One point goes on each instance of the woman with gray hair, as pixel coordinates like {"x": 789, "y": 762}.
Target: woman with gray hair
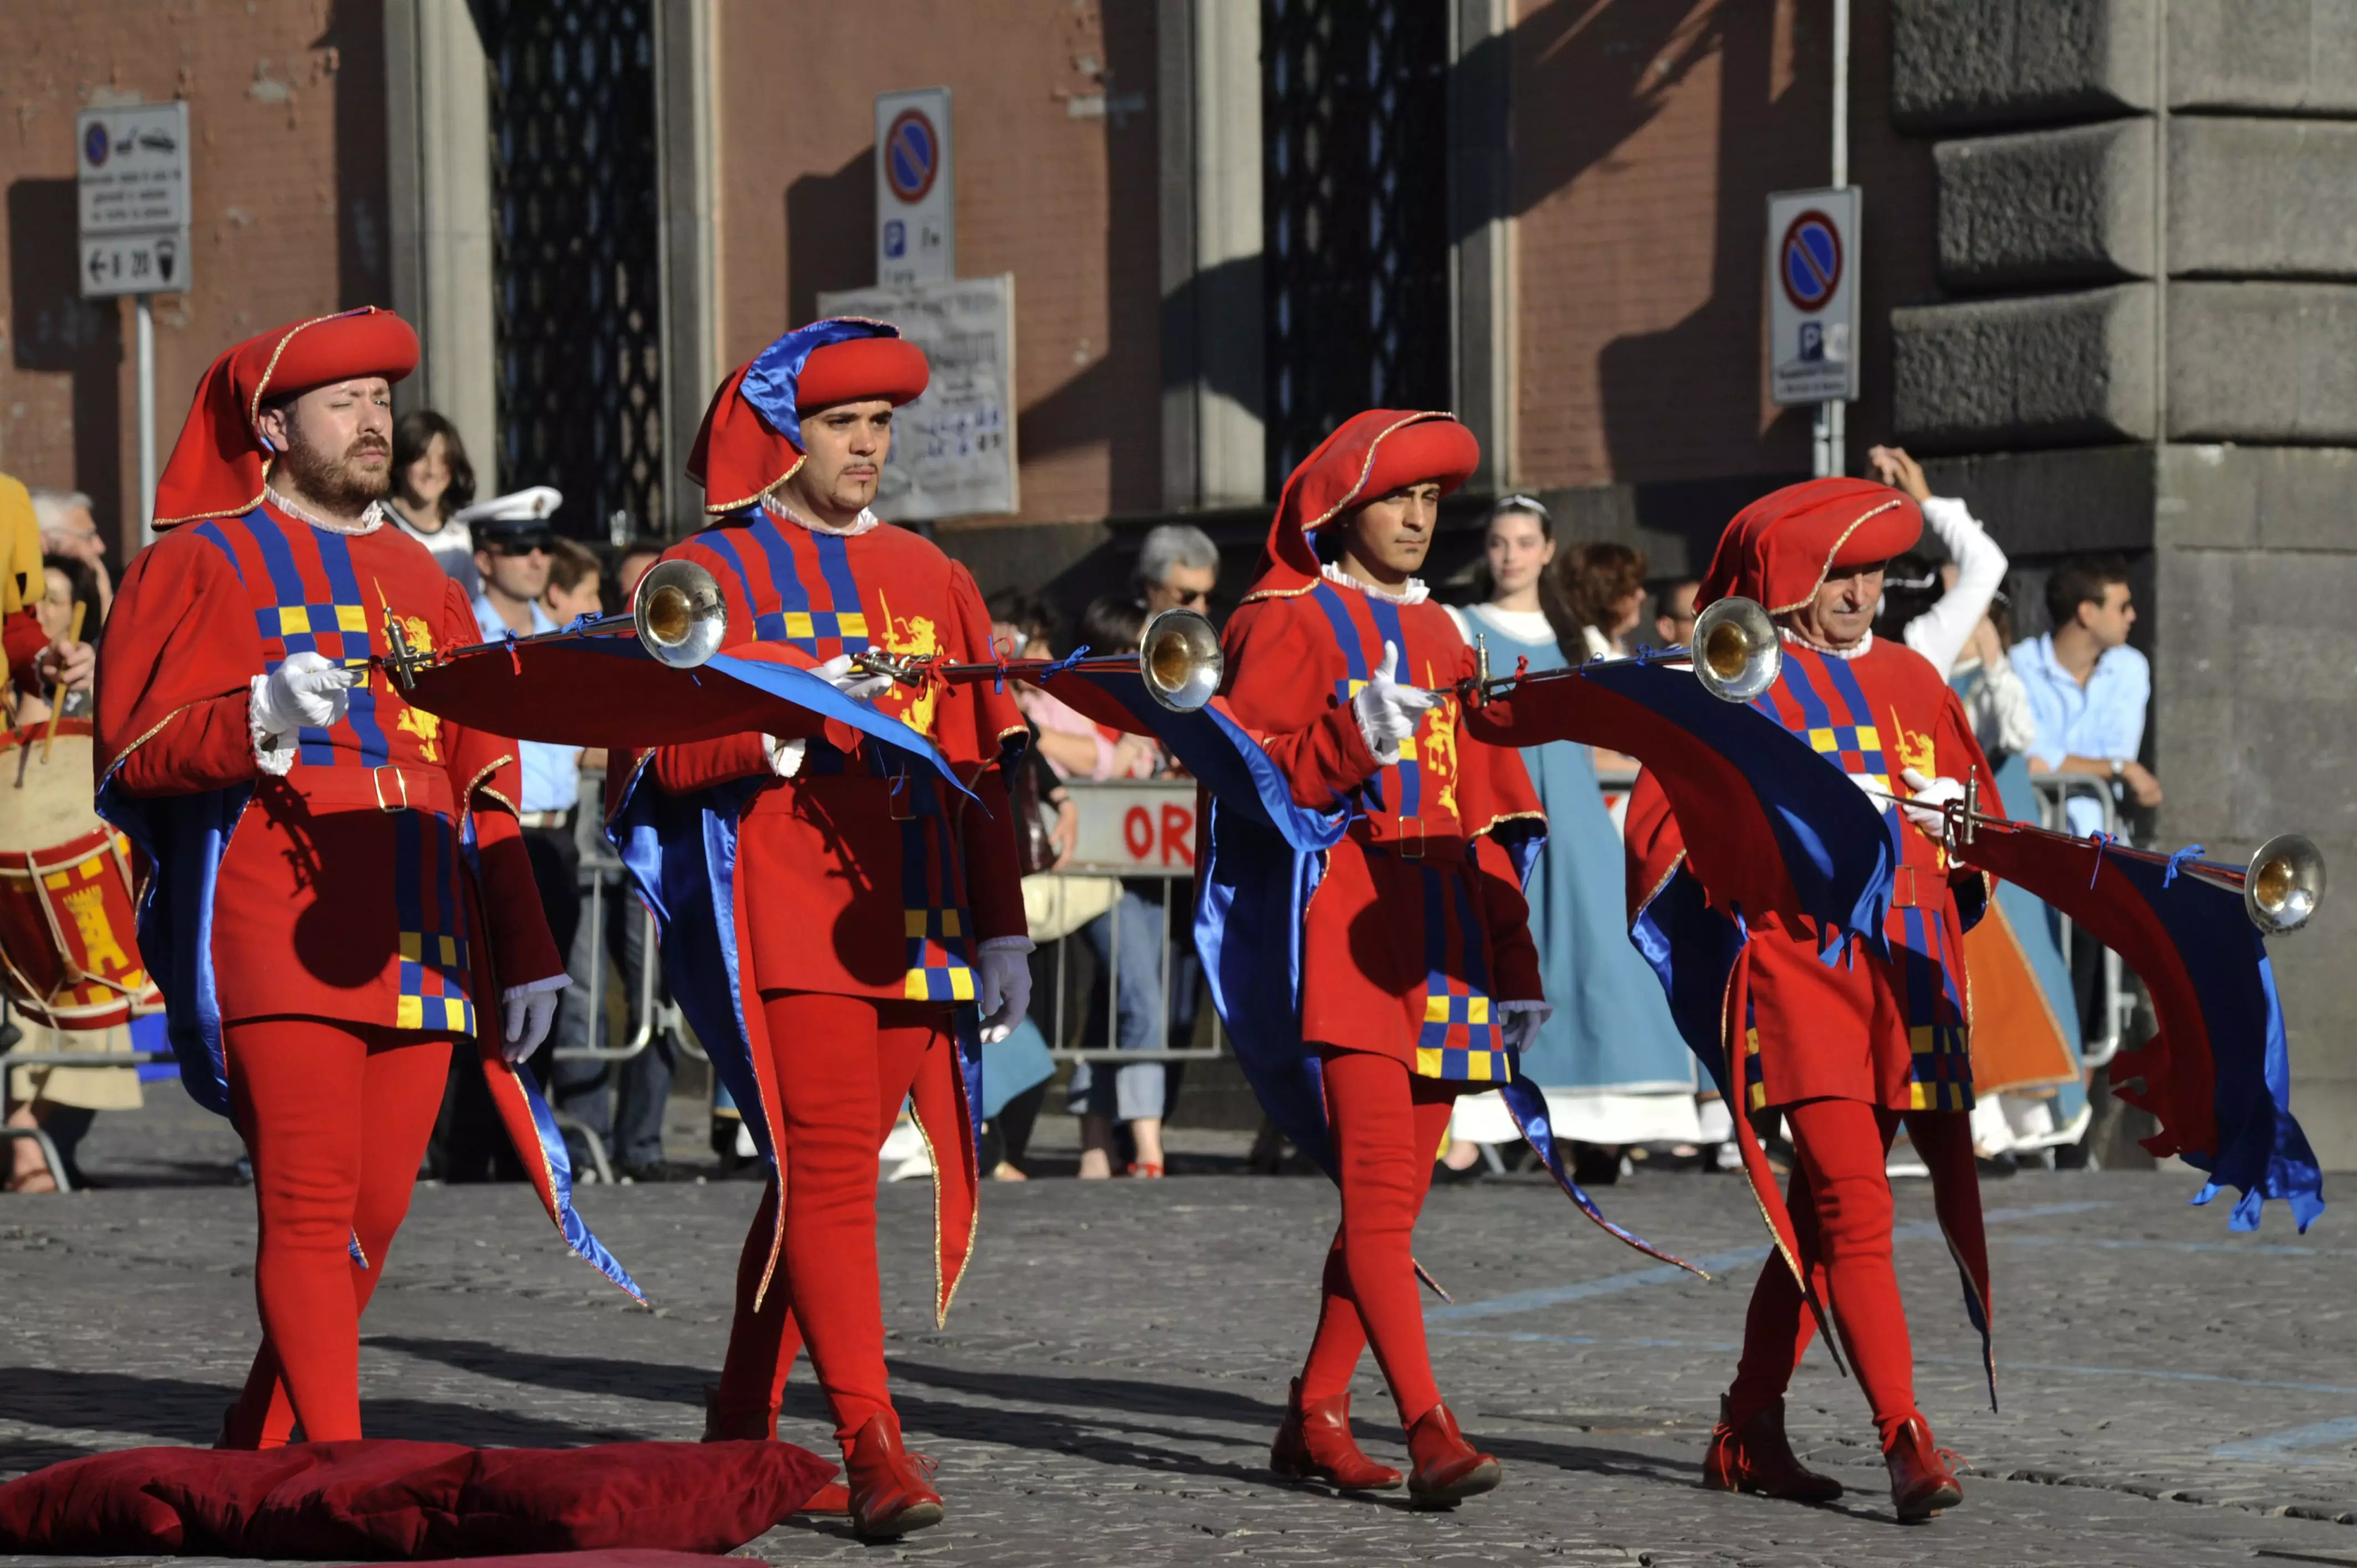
{"x": 1177, "y": 567}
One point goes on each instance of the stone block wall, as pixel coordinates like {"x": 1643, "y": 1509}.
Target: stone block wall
{"x": 2145, "y": 340}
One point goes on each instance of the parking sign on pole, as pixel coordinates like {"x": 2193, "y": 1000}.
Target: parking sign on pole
{"x": 1813, "y": 264}
{"x": 916, "y": 188}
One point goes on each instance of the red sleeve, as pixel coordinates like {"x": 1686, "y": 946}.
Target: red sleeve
{"x": 1280, "y": 687}
{"x": 702, "y": 764}
{"x": 173, "y": 674}
{"x": 1956, "y": 737}
{"x": 994, "y": 875}
{"x": 22, "y": 639}
{"x": 1651, "y": 839}
{"x": 982, "y": 721}
{"x": 488, "y": 780}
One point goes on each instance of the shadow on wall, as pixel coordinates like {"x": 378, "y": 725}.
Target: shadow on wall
{"x": 830, "y": 235}
{"x": 57, "y": 332}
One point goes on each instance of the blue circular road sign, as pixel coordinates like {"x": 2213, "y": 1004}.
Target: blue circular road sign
{"x": 912, "y": 154}
{"x": 1809, "y": 262}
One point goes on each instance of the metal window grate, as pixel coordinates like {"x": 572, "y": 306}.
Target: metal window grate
{"x": 1354, "y": 124}
{"x": 576, "y": 255}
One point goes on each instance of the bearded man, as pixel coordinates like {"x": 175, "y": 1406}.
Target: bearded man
{"x": 339, "y": 882}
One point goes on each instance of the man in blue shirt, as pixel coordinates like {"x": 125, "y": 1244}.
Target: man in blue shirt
{"x": 2088, "y": 688}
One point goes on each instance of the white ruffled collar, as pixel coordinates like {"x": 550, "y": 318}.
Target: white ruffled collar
{"x": 1416, "y": 593}
{"x": 1863, "y": 644}
{"x": 776, "y": 507}
{"x": 371, "y": 519}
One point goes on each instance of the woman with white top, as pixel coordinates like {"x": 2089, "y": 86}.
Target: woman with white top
{"x": 1610, "y": 1059}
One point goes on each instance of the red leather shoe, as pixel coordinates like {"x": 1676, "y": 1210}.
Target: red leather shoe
{"x": 833, "y": 1497}
{"x": 1922, "y": 1478}
{"x": 891, "y": 1489}
{"x": 1314, "y": 1444}
{"x": 1448, "y": 1468}
{"x": 1757, "y": 1457}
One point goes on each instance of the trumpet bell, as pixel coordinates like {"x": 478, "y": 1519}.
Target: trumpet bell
{"x": 1180, "y": 659}
{"x": 2284, "y": 885}
{"x": 1737, "y": 651}
{"x": 679, "y": 614}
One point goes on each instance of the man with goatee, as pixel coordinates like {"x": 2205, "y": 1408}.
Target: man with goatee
{"x": 342, "y": 894}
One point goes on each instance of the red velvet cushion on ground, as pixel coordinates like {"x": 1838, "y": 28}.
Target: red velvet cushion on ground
{"x": 384, "y": 1499}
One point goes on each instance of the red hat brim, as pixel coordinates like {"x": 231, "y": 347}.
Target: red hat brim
{"x": 220, "y": 463}
{"x": 750, "y": 440}
{"x": 1780, "y": 548}
{"x": 1369, "y": 456}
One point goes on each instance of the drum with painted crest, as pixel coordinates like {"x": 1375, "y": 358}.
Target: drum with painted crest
{"x": 68, "y": 902}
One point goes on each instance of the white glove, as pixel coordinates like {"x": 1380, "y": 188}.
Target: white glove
{"x": 1518, "y": 1023}
{"x": 1930, "y": 795}
{"x": 528, "y": 1010}
{"x": 855, "y": 684}
{"x": 1005, "y": 975}
{"x": 307, "y": 690}
{"x": 1873, "y": 792}
{"x": 1387, "y": 712}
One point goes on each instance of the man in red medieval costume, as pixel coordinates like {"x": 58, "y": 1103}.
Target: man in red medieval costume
{"x": 1417, "y": 978}
{"x": 869, "y": 919}
{"x": 341, "y": 897}
{"x": 1844, "y": 1041}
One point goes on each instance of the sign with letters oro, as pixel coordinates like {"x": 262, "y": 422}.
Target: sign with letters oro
{"x": 916, "y": 188}
{"x": 131, "y": 176}
{"x": 1812, "y": 263}
{"x": 953, "y": 448}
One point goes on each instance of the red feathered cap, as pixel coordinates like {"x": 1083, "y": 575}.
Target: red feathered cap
{"x": 1780, "y": 548}
{"x": 1372, "y": 455}
{"x": 752, "y": 433}
{"x": 220, "y": 463}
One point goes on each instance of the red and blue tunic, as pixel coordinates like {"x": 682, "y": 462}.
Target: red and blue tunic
{"x": 349, "y": 888}
{"x": 865, "y": 879}
{"x": 1418, "y": 927}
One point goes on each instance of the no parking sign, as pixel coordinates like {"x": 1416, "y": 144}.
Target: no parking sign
{"x": 916, "y": 193}
{"x": 1813, "y": 295}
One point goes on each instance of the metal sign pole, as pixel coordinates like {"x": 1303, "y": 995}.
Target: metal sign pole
{"x": 1832, "y": 421}
{"x": 145, "y": 311}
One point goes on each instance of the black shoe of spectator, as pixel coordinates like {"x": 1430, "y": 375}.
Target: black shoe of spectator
{"x": 2002, "y": 1165}
{"x": 1596, "y": 1164}
{"x": 659, "y": 1171}
{"x": 1443, "y": 1175}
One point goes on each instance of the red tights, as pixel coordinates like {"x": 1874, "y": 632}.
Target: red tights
{"x": 843, "y": 1064}
{"x": 1388, "y": 1125}
{"x": 336, "y": 1117}
{"x": 1840, "y": 1202}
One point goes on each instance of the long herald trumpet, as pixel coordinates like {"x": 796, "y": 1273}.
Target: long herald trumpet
{"x": 2281, "y": 886}
{"x": 678, "y": 615}
{"x": 1179, "y": 658}
{"x": 1736, "y": 651}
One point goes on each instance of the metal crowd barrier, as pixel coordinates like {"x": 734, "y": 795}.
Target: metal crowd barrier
{"x": 1130, "y": 829}
{"x": 2054, "y": 792}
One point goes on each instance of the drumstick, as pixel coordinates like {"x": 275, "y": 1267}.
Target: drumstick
{"x": 58, "y": 692}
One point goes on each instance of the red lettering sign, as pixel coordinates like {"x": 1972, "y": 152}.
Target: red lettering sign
{"x": 1177, "y": 835}
{"x": 1138, "y": 831}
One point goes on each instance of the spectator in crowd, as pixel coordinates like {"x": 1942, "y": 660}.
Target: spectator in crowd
{"x": 636, "y": 559}
{"x": 1602, "y": 588}
{"x": 432, "y": 483}
{"x": 1610, "y": 1059}
{"x": 575, "y": 581}
{"x": 61, "y": 1101}
{"x": 1177, "y": 567}
{"x": 512, "y": 546}
{"x": 1134, "y": 1096}
{"x": 2088, "y": 688}
{"x": 1674, "y": 625}
{"x": 69, "y": 529}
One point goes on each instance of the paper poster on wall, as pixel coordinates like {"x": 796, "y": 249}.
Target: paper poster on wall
{"x": 953, "y": 448}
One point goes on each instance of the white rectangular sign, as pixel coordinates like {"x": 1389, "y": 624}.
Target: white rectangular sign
{"x": 916, "y": 188}
{"x": 1813, "y": 269}
{"x": 1134, "y": 827}
{"x": 953, "y": 448}
{"x": 135, "y": 263}
{"x": 131, "y": 176}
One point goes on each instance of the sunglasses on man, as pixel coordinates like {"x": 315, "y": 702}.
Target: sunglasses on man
{"x": 519, "y": 545}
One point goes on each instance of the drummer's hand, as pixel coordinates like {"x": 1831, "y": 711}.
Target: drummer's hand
{"x": 307, "y": 692}
{"x": 856, "y": 684}
{"x": 67, "y": 663}
{"x": 527, "y": 1014}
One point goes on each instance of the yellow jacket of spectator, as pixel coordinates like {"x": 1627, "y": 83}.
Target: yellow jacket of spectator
{"x": 21, "y": 584}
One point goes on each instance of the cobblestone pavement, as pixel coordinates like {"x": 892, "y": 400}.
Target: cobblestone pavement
{"x": 1112, "y": 1370}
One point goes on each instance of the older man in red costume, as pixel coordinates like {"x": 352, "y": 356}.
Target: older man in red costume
{"x": 866, "y": 907}
{"x": 1418, "y": 977}
{"x": 1847, "y": 1042}
{"x": 339, "y": 883}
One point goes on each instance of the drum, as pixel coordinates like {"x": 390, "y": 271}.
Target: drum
{"x": 68, "y": 910}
